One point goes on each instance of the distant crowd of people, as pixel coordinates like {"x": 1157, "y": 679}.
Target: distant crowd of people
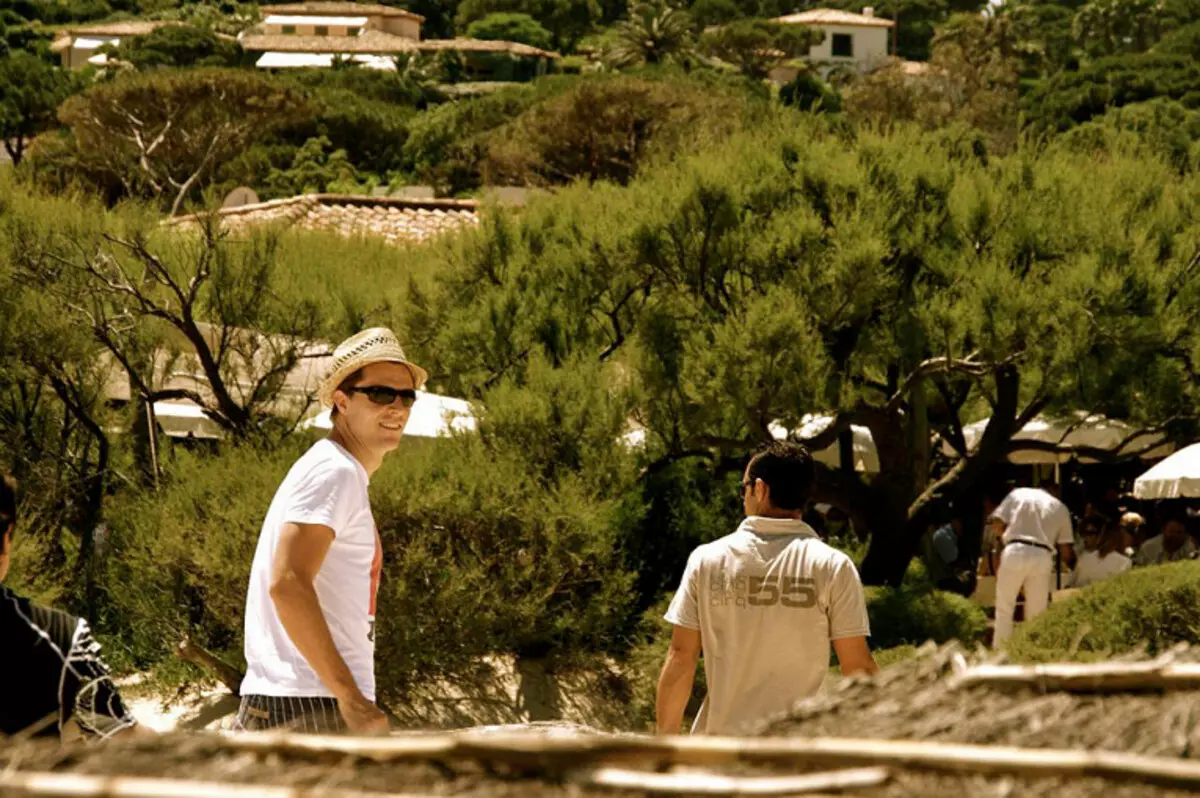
{"x": 1033, "y": 544}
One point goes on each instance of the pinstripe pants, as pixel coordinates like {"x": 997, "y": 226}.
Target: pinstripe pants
{"x": 298, "y": 713}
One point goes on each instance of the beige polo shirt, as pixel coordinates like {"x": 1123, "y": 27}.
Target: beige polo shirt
{"x": 768, "y": 600}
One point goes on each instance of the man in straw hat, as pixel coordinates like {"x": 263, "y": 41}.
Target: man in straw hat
{"x": 310, "y": 609}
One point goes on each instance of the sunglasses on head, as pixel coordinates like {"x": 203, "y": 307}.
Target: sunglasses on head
{"x": 383, "y": 395}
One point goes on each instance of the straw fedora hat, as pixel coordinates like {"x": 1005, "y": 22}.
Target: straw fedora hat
{"x": 376, "y": 345}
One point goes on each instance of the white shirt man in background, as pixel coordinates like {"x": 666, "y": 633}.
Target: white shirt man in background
{"x": 764, "y": 604}
{"x": 1031, "y": 525}
{"x": 310, "y": 608}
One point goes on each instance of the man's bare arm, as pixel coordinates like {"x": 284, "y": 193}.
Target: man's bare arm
{"x": 298, "y": 557}
{"x": 675, "y": 682}
{"x": 854, "y": 656}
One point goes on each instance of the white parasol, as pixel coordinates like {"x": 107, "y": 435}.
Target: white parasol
{"x": 1177, "y": 477}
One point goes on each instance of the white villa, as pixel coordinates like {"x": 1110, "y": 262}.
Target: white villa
{"x": 313, "y": 34}
{"x": 80, "y": 45}
{"x": 859, "y": 41}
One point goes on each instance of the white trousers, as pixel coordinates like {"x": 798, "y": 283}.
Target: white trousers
{"x": 1025, "y": 567}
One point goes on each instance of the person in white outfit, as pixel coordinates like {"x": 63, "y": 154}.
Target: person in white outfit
{"x": 1030, "y": 524}
{"x": 1102, "y": 555}
{"x": 310, "y": 605}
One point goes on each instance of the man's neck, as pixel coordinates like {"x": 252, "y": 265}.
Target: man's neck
{"x": 774, "y": 512}
{"x": 368, "y": 459}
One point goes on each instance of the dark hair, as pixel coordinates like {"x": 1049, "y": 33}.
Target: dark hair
{"x": 345, "y": 385}
{"x": 788, "y": 472}
{"x": 8, "y": 502}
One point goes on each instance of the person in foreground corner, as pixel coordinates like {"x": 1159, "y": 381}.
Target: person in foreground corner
{"x": 59, "y": 684}
{"x": 763, "y": 604}
{"x": 310, "y": 608}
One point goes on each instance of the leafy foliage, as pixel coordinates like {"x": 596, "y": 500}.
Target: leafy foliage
{"x": 809, "y": 93}
{"x": 1071, "y": 98}
{"x": 791, "y": 269}
{"x": 1156, "y": 607}
{"x": 756, "y": 46}
{"x": 179, "y": 46}
{"x": 1161, "y": 127}
{"x": 162, "y": 135}
{"x": 914, "y": 613}
{"x": 654, "y": 33}
{"x": 606, "y": 128}
{"x": 566, "y": 20}
{"x": 30, "y": 91}
{"x": 511, "y": 27}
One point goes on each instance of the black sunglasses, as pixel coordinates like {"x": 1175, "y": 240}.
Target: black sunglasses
{"x": 383, "y": 395}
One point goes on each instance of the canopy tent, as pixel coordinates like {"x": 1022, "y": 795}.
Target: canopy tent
{"x": 1177, "y": 477}
{"x": 186, "y": 420}
{"x": 432, "y": 416}
{"x": 866, "y": 458}
{"x": 1081, "y": 430}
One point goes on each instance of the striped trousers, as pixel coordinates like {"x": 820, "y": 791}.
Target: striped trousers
{"x": 316, "y": 715}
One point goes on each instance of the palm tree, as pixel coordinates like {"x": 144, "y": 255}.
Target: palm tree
{"x": 654, "y": 33}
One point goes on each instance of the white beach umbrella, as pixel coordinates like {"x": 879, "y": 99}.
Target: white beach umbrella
{"x": 866, "y": 458}
{"x": 1177, "y": 477}
{"x": 1091, "y": 430}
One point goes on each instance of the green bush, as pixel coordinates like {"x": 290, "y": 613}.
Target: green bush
{"x": 446, "y": 145}
{"x": 607, "y": 127}
{"x": 496, "y": 542}
{"x": 1156, "y": 607}
{"x": 511, "y": 27}
{"x": 915, "y": 612}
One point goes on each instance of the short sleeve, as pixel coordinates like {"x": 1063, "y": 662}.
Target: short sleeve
{"x": 1006, "y": 510}
{"x": 847, "y": 604}
{"x": 324, "y": 496}
{"x": 685, "y": 606}
{"x": 1062, "y": 523}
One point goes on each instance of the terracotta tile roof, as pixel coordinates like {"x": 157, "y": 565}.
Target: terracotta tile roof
{"x": 380, "y": 43}
{"x": 486, "y": 46}
{"x": 338, "y": 9}
{"x": 833, "y": 16}
{"x": 129, "y": 27}
{"x": 369, "y": 41}
{"x": 396, "y": 220}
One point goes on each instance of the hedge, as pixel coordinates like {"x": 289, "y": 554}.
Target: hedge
{"x": 1155, "y": 607}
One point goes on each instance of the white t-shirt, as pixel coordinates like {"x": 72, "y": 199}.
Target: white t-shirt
{"x": 767, "y": 600}
{"x": 1032, "y": 514}
{"x": 326, "y": 486}
{"x": 1093, "y": 568}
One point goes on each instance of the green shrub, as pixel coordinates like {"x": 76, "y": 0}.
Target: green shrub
{"x": 511, "y": 27}
{"x": 496, "y": 542}
{"x": 606, "y": 128}
{"x": 1156, "y": 607}
{"x": 915, "y": 613}
{"x": 809, "y": 93}
{"x": 445, "y": 145}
